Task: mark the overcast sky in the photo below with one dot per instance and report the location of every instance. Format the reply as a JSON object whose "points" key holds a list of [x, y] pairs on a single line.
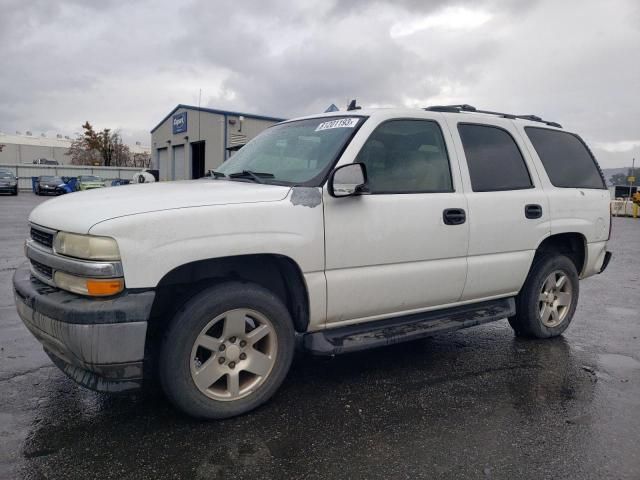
{"points": [[126, 64]]}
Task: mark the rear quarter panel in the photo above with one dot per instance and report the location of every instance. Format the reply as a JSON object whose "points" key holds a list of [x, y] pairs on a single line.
{"points": [[580, 210]]}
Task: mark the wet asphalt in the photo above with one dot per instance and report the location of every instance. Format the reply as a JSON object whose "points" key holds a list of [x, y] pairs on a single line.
{"points": [[477, 403]]}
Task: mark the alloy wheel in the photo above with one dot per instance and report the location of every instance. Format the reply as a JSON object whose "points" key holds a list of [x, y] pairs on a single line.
{"points": [[233, 354], [555, 299]]}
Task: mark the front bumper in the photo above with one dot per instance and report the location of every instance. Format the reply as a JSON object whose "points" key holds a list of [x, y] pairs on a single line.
{"points": [[99, 343]]}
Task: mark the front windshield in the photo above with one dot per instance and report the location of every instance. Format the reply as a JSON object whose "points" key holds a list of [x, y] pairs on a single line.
{"points": [[51, 179], [90, 178], [294, 153], [5, 174]]}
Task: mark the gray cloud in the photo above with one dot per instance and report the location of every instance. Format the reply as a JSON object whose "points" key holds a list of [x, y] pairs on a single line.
{"points": [[126, 64]]}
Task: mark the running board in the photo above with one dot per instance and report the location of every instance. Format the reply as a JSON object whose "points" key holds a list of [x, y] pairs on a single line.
{"points": [[401, 329]]}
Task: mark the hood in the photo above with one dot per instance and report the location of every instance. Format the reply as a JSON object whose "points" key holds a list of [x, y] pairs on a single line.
{"points": [[79, 211]]}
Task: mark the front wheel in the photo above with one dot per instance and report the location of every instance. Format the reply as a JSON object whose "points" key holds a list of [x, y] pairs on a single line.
{"points": [[548, 299], [226, 351]]}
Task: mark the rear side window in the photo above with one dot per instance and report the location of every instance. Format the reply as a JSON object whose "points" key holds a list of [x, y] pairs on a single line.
{"points": [[566, 158], [495, 161]]}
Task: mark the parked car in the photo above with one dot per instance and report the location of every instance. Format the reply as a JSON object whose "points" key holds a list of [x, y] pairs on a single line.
{"points": [[8, 182], [45, 161], [50, 185], [330, 233], [89, 182]]}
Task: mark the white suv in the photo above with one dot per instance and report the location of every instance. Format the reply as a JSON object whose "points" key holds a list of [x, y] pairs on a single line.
{"points": [[330, 233]]}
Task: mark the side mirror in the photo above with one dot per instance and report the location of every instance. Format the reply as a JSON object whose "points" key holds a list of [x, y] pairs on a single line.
{"points": [[348, 180]]}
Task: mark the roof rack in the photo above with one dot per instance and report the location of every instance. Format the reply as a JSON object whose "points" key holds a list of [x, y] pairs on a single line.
{"points": [[470, 108]]}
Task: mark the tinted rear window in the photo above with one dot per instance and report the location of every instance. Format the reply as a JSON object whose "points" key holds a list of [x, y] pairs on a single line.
{"points": [[494, 160], [566, 158]]}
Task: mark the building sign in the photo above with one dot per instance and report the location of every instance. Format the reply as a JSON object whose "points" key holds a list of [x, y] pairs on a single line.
{"points": [[180, 123]]}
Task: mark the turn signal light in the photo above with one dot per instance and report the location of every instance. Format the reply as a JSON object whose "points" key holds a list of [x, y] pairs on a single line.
{"points": [[103, 288], [93, 287]]}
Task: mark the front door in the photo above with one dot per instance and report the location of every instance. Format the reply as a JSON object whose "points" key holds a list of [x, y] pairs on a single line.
{"points": [[390, 252]]}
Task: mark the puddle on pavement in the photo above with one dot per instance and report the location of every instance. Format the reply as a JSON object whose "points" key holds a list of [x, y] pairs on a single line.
{"points": [[618, 365]]}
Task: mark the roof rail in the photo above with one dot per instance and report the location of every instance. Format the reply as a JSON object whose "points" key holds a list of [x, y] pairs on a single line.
{"points": [[472, 109]]}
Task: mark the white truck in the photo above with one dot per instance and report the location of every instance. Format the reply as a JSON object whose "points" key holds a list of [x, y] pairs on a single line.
{"points": [[331, 233]]}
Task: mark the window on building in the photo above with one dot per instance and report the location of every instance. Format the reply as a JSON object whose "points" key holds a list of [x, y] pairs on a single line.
{"points": [[495, 161], [407, 156], [566, 158]]}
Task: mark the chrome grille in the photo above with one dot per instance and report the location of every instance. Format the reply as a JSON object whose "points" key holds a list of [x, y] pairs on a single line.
{"points": [[42, 237], [43, 270]]}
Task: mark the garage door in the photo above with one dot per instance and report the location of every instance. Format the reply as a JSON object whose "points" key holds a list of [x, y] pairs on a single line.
{"points": [[163, 163], [178, 163]]}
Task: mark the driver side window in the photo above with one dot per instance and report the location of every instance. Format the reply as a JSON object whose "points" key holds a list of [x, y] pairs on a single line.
{"points": [[406, 156]]}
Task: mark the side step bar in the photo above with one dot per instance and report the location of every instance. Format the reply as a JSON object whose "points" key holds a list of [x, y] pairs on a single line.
{"points": [[401, 329]]}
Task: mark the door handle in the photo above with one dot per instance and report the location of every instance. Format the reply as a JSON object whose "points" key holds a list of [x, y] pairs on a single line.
{"points": [[454, 216], [533, 211]]}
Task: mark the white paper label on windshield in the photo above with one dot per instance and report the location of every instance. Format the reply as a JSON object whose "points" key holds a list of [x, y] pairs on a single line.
{"points": [[338, 123]]}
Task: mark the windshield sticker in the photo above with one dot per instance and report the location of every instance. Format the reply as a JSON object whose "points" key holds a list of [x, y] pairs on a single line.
{"points": [[339, 123]]}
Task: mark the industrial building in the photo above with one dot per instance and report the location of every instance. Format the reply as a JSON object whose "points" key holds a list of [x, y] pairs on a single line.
{"points": [[190, 140], [27, 148]]}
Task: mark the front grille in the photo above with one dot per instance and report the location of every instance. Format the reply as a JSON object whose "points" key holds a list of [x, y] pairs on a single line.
{"points": [[43, 270], [42, 237]]}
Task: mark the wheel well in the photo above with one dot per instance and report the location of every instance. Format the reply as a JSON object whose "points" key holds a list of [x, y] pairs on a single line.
{"points": [[573, 245], [277, 273]]}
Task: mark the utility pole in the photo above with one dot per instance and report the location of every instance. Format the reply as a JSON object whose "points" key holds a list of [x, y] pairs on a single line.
{"points": [[632, 178]]}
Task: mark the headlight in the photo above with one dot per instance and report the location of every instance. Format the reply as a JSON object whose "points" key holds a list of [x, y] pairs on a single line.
{"points": [[86, 247], [89, 286]]}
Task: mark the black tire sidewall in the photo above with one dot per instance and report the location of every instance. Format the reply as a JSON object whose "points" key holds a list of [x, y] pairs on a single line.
{"points": [[175, 374], [528, 317]]}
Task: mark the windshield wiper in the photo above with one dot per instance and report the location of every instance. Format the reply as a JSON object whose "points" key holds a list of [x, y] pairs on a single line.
{"points": [[215, 174], [255, 176]]}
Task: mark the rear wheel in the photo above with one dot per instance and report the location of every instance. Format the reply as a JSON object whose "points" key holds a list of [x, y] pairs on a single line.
{"points": [[548, 299], [227, 351]]}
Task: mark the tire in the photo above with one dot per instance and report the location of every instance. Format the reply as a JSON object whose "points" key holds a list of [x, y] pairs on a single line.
{"points": [[15, 192], [37, 192], [543, 309], [207, 319]]}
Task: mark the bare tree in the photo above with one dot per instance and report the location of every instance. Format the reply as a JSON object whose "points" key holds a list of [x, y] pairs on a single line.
{"points": [[81, 154], [104, 148], [141, 160]]}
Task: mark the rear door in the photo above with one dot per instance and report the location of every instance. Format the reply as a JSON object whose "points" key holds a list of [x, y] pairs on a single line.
{"points": [[390, 252], [508, 209]]}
